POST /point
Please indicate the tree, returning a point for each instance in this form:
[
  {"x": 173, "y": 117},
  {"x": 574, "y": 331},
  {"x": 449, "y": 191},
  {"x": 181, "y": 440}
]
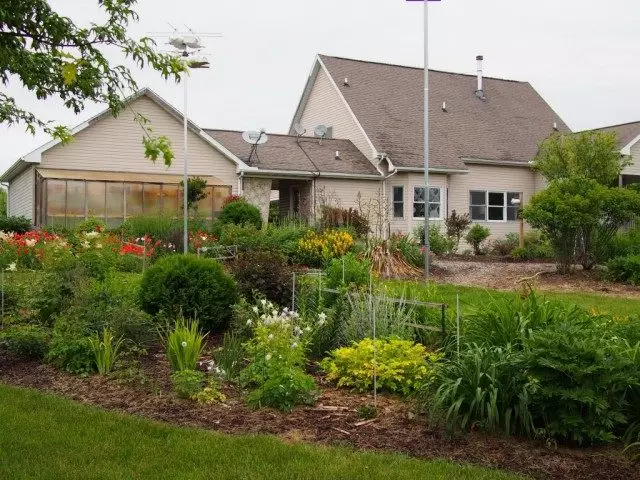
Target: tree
[
  {"x": 196, "y": 191},
  {"x": 3, "y": 202},
  {"x": 476, "y": 236},
  {"x": 580, "y": 215},
  {"x": 591, "y": 155},
  {"x": 53, "y": 57},
  {"x": 456, "y": 226}
]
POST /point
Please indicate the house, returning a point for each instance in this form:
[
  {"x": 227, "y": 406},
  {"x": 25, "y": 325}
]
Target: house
[
  {"x": 628, "y": 135},
  {"x": 355, "y": 141}
]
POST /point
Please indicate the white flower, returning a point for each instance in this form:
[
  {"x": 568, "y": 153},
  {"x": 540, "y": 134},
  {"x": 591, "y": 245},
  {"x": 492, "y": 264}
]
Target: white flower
[
  {"x": 98, "y": 245},
  {"x": 307, "y": 329},
  {"x": 30, "y": 242},
  {"x": 274, "y": 313},
  {"x": 297, "y": 331},
  {"x": 204, "y": 239},
  {"x": 91, "y": 234},
  {"x": 204, "y": 249},
  {"x": 322, "y": 319},
  {"x": 249, "y": 323},
  {"x": 267, "y": 357},
  {"x": 86, "y": 244},
  {"x": 294, "y": 345},
  {"x": 270, "y": 337},
  {"x": 285, "y": 310},
  {"x": 263, "y": 302},
  {"x": 255, "y": 309},
  {"x": 184, "y": 344},
  {"x": 12, "y": 267}
]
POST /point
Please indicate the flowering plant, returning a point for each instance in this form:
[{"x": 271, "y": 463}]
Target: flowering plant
[
  {"x": 202, "y": 240},
  {"x": 277, "y": 353},
  {"x": 318, "y": 248}
]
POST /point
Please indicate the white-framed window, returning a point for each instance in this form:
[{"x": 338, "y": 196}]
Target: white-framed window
[
  {"x": 434, "y": 202},
  {"x": 492, "y": 206},
  {"x": 398, "y": 201}
]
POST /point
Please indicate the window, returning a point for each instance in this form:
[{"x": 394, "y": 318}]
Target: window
[
  {"x": 493, "y": 206},
  {"x": 398, "y": 202},
  {"x": 435, "y": 202}
]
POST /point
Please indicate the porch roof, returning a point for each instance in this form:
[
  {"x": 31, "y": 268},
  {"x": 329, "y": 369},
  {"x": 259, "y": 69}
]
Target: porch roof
[{"x": 289, "y": 153}]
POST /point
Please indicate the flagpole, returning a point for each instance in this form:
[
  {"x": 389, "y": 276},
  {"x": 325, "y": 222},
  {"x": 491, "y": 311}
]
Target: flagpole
[{"x": 426, "y": 140}]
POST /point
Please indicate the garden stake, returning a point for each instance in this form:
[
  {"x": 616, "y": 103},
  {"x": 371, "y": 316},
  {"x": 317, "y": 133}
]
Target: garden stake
[
  {"x": 443, "y": 309},
  {"x": 293, "y": 293},
  {"x": 373, "y": 322},
  {"x": 2, "y": 320},
  {"x": 144, "y": 256},
  {"x": 458, "y": 322},
  {"x": 343, "y": 270}
]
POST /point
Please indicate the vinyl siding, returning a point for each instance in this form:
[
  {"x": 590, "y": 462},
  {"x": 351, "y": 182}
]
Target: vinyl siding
[
  {"x": 325, "y": 106},
  {"x": 21, "y": 194},
  {"x": 495, "y": 178},
  {"x": 408, "y": 181},
  {"x": 115, "y": 144},
  {"x": 635, "y": 157}
]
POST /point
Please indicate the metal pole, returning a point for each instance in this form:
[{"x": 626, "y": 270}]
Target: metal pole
[
  {"x": 426, "y": 139},
  {"x": 458, "y": 323},
  {"x": 185, "y": 226},
  {"x": 293, "y": 293},
  {"x": 375, "y": 359}
]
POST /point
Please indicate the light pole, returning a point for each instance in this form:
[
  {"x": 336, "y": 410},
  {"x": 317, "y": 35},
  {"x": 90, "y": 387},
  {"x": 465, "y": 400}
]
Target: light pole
[
  {"x": 427, "y": 247},
  {"x": 518, "y": 203}
]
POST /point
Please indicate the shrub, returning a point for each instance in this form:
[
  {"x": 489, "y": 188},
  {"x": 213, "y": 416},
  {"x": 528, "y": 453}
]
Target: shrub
[
  {"x": 15, "y": 224},
  {"x": 408, "y": 248},
  {"x": 438, "y": 243},
  {"x": 316, "y": 249},
  {"x": 92, "y": 224},
  {"x": 624, "y": 243},
  {"x": 197, "y": 287},
  {"x": 276, "y": 352},
  {"x": 456, "y": 225},
  {"x": 241, "y": 213},
  {"x": 401, "y": 365},
  {"x": 265, "y": 272},
  {"x": 624, "y": 269},
  {"x": 476, "y": 235},
  {"x": 187, "y": 383},
  {"x": 26, "y": 340},
  {"x": 336, "y": 217},
  {"x": 209, "y": 394},
  {"x": 504, "y": 246},
  {"x": 106, "y": 351},
  {"x": 536, "y": 246},
  {"x": 71, "y": 352},
  {"x": 184, "y": 345},
  {"x": 580, "y": 379},
  {"x": 484, "y": 387},
  {"x": 348, "y": 270}
]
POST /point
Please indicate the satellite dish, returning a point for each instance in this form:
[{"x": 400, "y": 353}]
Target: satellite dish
[
  {"x": 198, "y": 62},
  {"x": 298, "y": 128},
  {"x": 254, "y": 137},
  {"x": 321, "y": 131},
  {"x": 189, "y": 41}
]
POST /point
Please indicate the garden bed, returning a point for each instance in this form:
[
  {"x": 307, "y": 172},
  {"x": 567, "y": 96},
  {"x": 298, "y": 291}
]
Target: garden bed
[
  {"x": 505, "y": 276},
  {"x": 334, "y": 420}
]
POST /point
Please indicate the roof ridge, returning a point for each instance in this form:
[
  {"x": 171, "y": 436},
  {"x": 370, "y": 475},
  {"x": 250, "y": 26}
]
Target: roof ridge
[
  {"x": 612, "y": 126},
  {"x": 420, "y": 68}
]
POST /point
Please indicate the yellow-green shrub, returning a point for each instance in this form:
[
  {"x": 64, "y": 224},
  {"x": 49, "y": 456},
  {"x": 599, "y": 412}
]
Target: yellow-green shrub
[
  {"x": 318, "y": 248},
  {"x": 402, "y": 365}
]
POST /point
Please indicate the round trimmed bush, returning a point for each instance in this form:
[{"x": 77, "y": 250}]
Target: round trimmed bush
[
  {"x": 196, "y": 287},
  {"x": 241, "y": 213}
]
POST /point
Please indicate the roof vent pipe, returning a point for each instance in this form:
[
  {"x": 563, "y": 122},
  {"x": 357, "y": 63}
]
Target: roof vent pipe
[{"x": 480, "y": 89}]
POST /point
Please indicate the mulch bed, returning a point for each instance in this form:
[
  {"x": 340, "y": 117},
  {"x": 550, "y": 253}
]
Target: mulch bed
[{"x": 333, "y": 421}]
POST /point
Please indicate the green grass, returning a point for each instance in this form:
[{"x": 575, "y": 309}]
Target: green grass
[
  {"x": 474, "y": 296},
  {"x": 48, "y": 437}
]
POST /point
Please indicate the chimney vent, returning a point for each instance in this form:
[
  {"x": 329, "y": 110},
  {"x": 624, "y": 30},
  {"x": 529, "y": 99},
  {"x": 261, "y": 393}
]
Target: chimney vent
[
  {"x": 346, "y": 81},
  {"x": 480, "y": 89},
  {"x": 444, "y": 106},
  {"x": 337, "y": 154},
  {"x": 555, "y": 126}
]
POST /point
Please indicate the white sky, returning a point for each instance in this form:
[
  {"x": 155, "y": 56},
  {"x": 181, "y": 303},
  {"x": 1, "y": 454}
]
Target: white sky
[{"x": 581, "y": 55}]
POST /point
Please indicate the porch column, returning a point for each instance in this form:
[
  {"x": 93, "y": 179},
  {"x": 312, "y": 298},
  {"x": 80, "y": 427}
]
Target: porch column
[{"x": 257, "y": 191}]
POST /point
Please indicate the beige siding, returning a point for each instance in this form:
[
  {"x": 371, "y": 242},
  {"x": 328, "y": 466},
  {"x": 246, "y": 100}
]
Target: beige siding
[
  {"x": 634, "y": 169},
  {"x": 496, "y": 178},
  {"x": 21, "y": 194},
  {"x": 115, "y": 144},
  {"x": 347, "y": 193},
  {"x": 325, "y": 106},
  {"x": 408, "y": 181}
]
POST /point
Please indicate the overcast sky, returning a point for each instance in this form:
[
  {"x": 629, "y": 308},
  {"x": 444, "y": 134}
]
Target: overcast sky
[{"x": 581, "y": 55}]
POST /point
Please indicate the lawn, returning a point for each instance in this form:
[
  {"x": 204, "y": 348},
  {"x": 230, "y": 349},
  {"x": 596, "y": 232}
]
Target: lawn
[
  {"x": 474, "y": 296},
  {"x": 48, "y": 437}
]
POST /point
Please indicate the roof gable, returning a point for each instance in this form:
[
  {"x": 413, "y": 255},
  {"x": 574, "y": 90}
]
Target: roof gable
[
  {"x": 388, "y": 102},
  {"x": 628, "y": 134}
]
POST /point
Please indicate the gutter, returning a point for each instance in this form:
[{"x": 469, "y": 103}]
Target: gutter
[
  {"x": 434, "y": 170},
  {"x": 503, "y": 163},
  {"x": 309, "y": 174}
]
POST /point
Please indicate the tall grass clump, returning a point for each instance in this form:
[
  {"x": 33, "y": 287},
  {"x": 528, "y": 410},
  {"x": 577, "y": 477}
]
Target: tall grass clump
[
  {"x": 106, "y": 351},
  {"x": 184, "y": 345}
]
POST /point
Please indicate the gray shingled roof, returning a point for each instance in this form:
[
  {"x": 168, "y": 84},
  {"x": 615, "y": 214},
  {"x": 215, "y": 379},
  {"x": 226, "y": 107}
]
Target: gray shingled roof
[
  {"x": 626, "y": 132},
  {"x": 388, "y": 102},
  {"x": 286, "y": 152}
]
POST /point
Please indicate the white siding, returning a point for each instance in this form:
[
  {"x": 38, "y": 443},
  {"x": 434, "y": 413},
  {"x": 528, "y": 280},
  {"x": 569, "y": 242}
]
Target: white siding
[
  {"x": 115, "y": 144},
  {"x": 325, "y": 106},
  {"x": 495, "y": 178},
  {"x": 21, "y": 194},
  {"x": 634, "y": 169}
]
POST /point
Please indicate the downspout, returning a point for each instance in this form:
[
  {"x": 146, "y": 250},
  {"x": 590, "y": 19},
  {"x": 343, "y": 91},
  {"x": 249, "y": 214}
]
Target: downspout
[
  {"x": 240, "y": 183},
  {"x": 387, "y": 230}
]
